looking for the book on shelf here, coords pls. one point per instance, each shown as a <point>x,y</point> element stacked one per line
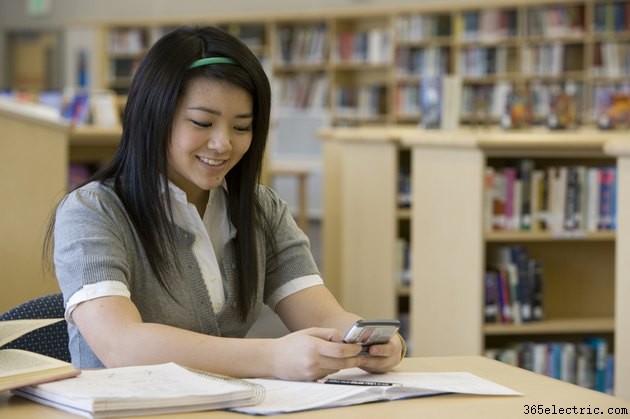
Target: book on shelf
<point>518,112</point>
<point>77,108</point>
<point>354,386</point>
<point>143,390</point>
<point>431,101</point>
<point>440,101</point>
<point>607,198</point>
<point>451,102</point>
<point>20,367</point>
<point>103,109</point>
<point>403,258</point>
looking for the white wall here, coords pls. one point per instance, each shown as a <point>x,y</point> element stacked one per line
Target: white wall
<point>13,13</point>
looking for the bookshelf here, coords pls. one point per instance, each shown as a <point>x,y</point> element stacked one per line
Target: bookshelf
<point>300,62</point>
<point>123,45</point>
<point>366,67</point>
<point>124,48</point>
<point>362,57</point>
<point>423,46</point>
<point>621,151</point>
<point>449,245</point>
<point>33,182</point>
<point>33,169</point>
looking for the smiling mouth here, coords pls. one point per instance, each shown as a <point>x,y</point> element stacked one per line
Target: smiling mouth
<point>211,162</point>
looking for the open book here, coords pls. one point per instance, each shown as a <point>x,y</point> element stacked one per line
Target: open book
<point>143,390</point>
<point>18,367</point>
<point>291,396</point>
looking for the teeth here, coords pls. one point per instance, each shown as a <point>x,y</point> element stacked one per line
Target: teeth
<point>211,162</point>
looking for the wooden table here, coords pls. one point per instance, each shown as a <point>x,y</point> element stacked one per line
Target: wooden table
<point>540,393</point>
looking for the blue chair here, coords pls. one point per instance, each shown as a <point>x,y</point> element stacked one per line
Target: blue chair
<point>51,340</point>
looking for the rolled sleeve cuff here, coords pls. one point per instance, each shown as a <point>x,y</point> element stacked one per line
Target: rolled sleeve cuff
<point>293,286</point>
<point>92,291</point>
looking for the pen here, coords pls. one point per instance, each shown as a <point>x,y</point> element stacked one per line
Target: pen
<point>358,382</point>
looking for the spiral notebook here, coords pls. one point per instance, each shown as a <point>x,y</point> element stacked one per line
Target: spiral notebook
<point>143,390</point>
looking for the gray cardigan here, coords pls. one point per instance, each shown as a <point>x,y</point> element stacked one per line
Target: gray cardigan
<point>96,241</point>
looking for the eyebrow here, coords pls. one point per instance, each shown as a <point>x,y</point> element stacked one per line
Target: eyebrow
<point>215,112</point>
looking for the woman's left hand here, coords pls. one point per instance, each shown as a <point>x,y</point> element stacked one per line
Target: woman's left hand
<point>384,357</point>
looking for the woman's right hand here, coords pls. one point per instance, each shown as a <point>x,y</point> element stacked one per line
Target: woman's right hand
<point>313,353</point>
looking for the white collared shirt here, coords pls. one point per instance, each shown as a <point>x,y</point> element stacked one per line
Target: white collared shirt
<point>212,233</point>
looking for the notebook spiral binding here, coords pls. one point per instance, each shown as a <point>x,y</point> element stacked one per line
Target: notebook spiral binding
<point>258,391</point>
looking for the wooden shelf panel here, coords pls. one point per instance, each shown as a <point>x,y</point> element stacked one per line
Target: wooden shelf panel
<point>403,290</point>
<point>554,326</point>
<point>90,135</point>
<point>547,236</point>
<point>404,213</point>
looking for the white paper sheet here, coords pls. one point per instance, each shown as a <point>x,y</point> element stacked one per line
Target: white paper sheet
<point>289,396</point>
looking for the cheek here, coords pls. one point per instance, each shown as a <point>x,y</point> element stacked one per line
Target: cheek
<point>183,145</point>
<point>241,146</point>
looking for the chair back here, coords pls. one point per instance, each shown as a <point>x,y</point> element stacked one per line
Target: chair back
<point>51,340</point>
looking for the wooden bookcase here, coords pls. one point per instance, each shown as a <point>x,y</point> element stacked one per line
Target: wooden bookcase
<point>449,247</point>
<point>33,175</point>
<point>620,149</point>
<point>37,151</point>
<point>366,66</point>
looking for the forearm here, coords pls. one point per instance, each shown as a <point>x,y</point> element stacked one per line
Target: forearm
<point>150,343</point>
<point>314,307</point>
<point>114,330</point>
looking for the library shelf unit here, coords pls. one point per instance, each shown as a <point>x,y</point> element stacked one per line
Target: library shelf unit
<point>449,245</point>
<point>33,169</point>
<point>37,149</point>
<point>621,151</point>
<point>123,45</point>
<point>93,145</point>
<point>366,66</point>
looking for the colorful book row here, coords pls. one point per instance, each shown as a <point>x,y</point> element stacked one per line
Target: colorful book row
<point>373,46</point>
<point>419,27</point>
<point>303,44</point>
<point>556,21</point>
<point>588,363</point>
<point>422,61</point>
<point>612,17</point>
<point>555,198</point>
<point>513,287</point>
<point>302,91</point>
<point>487,25</point>
<point>361,101</point>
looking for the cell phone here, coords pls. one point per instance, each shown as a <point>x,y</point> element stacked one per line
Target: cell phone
<point>370,332</point>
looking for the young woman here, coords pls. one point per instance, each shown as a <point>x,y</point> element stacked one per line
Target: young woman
<point>169,252</point>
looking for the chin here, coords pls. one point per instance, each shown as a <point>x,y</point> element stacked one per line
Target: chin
<point>212,185</point>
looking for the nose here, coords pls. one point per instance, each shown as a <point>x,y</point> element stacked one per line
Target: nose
<point>219,140</point>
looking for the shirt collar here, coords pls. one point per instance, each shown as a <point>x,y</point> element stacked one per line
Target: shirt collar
<point>180,195</point>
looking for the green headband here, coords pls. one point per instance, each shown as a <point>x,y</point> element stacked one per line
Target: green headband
<point>212,60</point>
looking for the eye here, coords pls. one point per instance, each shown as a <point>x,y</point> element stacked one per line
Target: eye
<point>243,129</point>
<point>201,124</point>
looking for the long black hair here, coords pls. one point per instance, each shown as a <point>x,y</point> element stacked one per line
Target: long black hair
<point>138,169</point>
